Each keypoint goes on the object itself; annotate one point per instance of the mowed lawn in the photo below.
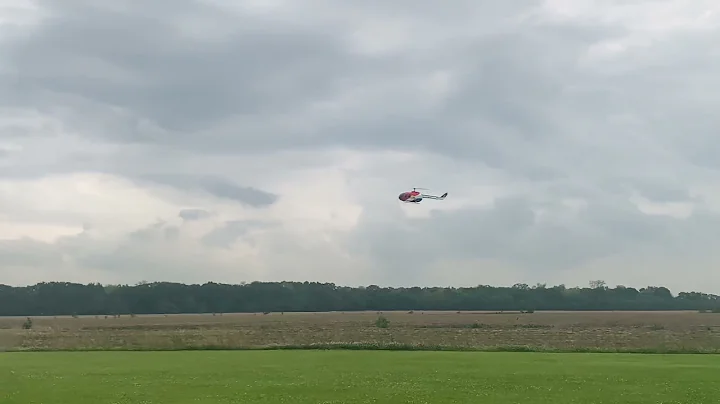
(355, 377)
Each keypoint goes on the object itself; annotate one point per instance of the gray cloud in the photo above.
(566, 138)
(27, 252)
(216, 186)
(260, 71)
(194, 214)
(513, 231)
(252, 68)
(228, 233)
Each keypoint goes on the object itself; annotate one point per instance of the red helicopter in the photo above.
(416, 197)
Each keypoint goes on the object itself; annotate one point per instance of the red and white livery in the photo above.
(416, 197)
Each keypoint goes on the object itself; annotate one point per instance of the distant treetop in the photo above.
(64, 298)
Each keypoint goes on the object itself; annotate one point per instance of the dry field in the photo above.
(567, 331)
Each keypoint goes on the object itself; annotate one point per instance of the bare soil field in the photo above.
(564, 331)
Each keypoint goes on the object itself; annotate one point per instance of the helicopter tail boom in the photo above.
(441, 197)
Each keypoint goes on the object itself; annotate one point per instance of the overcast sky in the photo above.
(231, 141)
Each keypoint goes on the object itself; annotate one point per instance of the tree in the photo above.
(64, 298)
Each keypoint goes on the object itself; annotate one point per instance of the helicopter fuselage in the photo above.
(410, 197)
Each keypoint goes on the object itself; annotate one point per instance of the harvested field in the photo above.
(561, 331)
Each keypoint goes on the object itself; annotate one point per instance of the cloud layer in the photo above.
(264, 140)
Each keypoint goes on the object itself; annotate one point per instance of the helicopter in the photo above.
(416, 197)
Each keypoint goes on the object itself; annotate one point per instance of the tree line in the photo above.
(64, 298)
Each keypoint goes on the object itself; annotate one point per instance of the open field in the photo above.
(355, 377)
(568, 331)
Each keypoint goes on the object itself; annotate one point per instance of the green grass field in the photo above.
(356, 377)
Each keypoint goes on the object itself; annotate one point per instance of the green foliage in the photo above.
(64, 298)
(28, 324)
(382, 322)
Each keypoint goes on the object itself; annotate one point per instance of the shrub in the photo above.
(382, 322)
